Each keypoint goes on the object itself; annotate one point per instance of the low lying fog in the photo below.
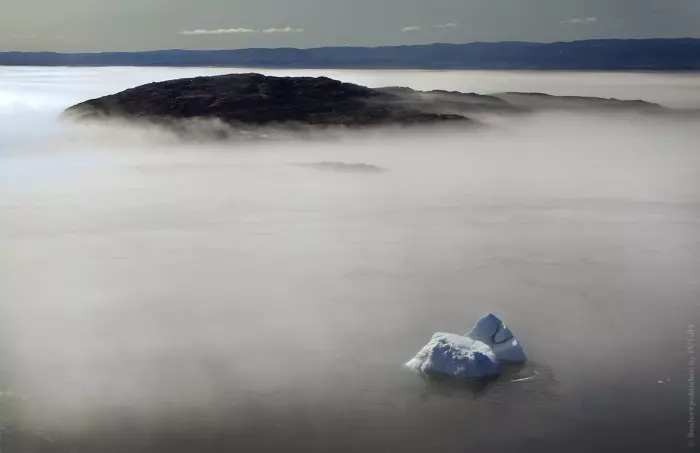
(288, 281)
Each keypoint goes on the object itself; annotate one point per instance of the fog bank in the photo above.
(162, 295)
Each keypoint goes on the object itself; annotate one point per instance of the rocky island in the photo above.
(255, 100)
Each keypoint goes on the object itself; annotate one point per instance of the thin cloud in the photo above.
(447, 25)
(411, 28)
(284, 30)
(233, 31)
(218, 31)
(580, 20)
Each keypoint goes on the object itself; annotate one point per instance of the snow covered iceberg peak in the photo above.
(477, 354)
(491, 330)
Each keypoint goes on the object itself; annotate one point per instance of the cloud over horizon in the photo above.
(447, 25)
(218, 31)
(233, 31)
(411, 28)
(283, 30)
(580, 20)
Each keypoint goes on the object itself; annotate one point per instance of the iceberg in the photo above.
(477, 354)
(492, 331)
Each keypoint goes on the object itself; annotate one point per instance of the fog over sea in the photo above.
(262, 296)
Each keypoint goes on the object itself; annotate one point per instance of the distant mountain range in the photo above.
(598, 54)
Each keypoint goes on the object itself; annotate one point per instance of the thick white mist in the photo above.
(145, 277)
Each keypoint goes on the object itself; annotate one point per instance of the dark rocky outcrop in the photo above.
(244, 102)
(255, 99)
(451, 101)
(542, 101)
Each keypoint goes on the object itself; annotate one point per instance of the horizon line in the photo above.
(352, 47)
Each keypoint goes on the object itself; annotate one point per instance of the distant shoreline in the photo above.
(309, 68)
(639, 55)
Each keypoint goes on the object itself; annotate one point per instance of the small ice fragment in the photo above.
(527, 379)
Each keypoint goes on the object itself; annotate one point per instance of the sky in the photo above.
(134, 25)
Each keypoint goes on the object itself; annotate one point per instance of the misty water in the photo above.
(167, 296)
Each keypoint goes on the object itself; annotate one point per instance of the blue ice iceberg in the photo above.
(477, 354)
